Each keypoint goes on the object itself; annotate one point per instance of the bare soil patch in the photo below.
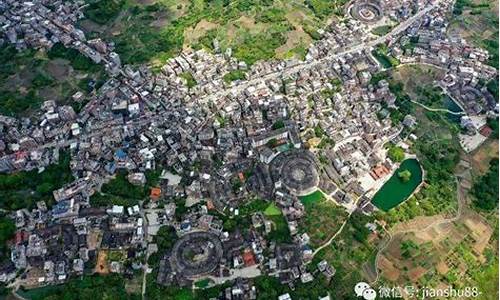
(418, 223)
(102, 262)
(294, 38)
(415, 273)
(20, 81)
(90, 26)
(415, 76)
(50, 93)
(59, 68)
(481, 232)
(481, 158)
(93, 239)
(389, 271)
(193, 34)
(145, 2)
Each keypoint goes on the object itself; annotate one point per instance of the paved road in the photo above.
(438, 109)
(327, 243)
(247, 272)
(146, 235)
(254, 81)
(307, 65)
(339, 53)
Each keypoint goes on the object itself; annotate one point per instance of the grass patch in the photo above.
(382, 30)
(257, 205)
(190, 81)
(234, 75)
(381, 53)
(272, 210)
(313, 197)
(299, 51)
(111, 286)
(323, 218)
(116, 255)
(204, 283)
(119, 191)
(280, 232)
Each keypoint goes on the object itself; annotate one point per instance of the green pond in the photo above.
(452, 106)
(395, 191)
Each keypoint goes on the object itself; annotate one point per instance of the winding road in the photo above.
(461, 192)
(461, 113)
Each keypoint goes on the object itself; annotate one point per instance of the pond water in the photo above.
(395, 191)
(452, 106)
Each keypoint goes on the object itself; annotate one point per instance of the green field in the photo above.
(202, 284)
(111, 286)
(381, 30)
(272, 210)
(156, 30)
(384, 58)
(395, 190)
(23, 189)
(322, 219)
(313, 197)
(119, 191)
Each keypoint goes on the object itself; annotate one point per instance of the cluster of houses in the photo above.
(51, 247)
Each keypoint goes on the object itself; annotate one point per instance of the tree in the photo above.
(318, 131)
(278, 124)
(272, 143)
(404, 175)
(493, 124)
(190, 81)
(7, 229)
(485, 190)
(166, 238)
(23, 189)
(120, 186)
(111, 286)
(395, 153)
(234, 75)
